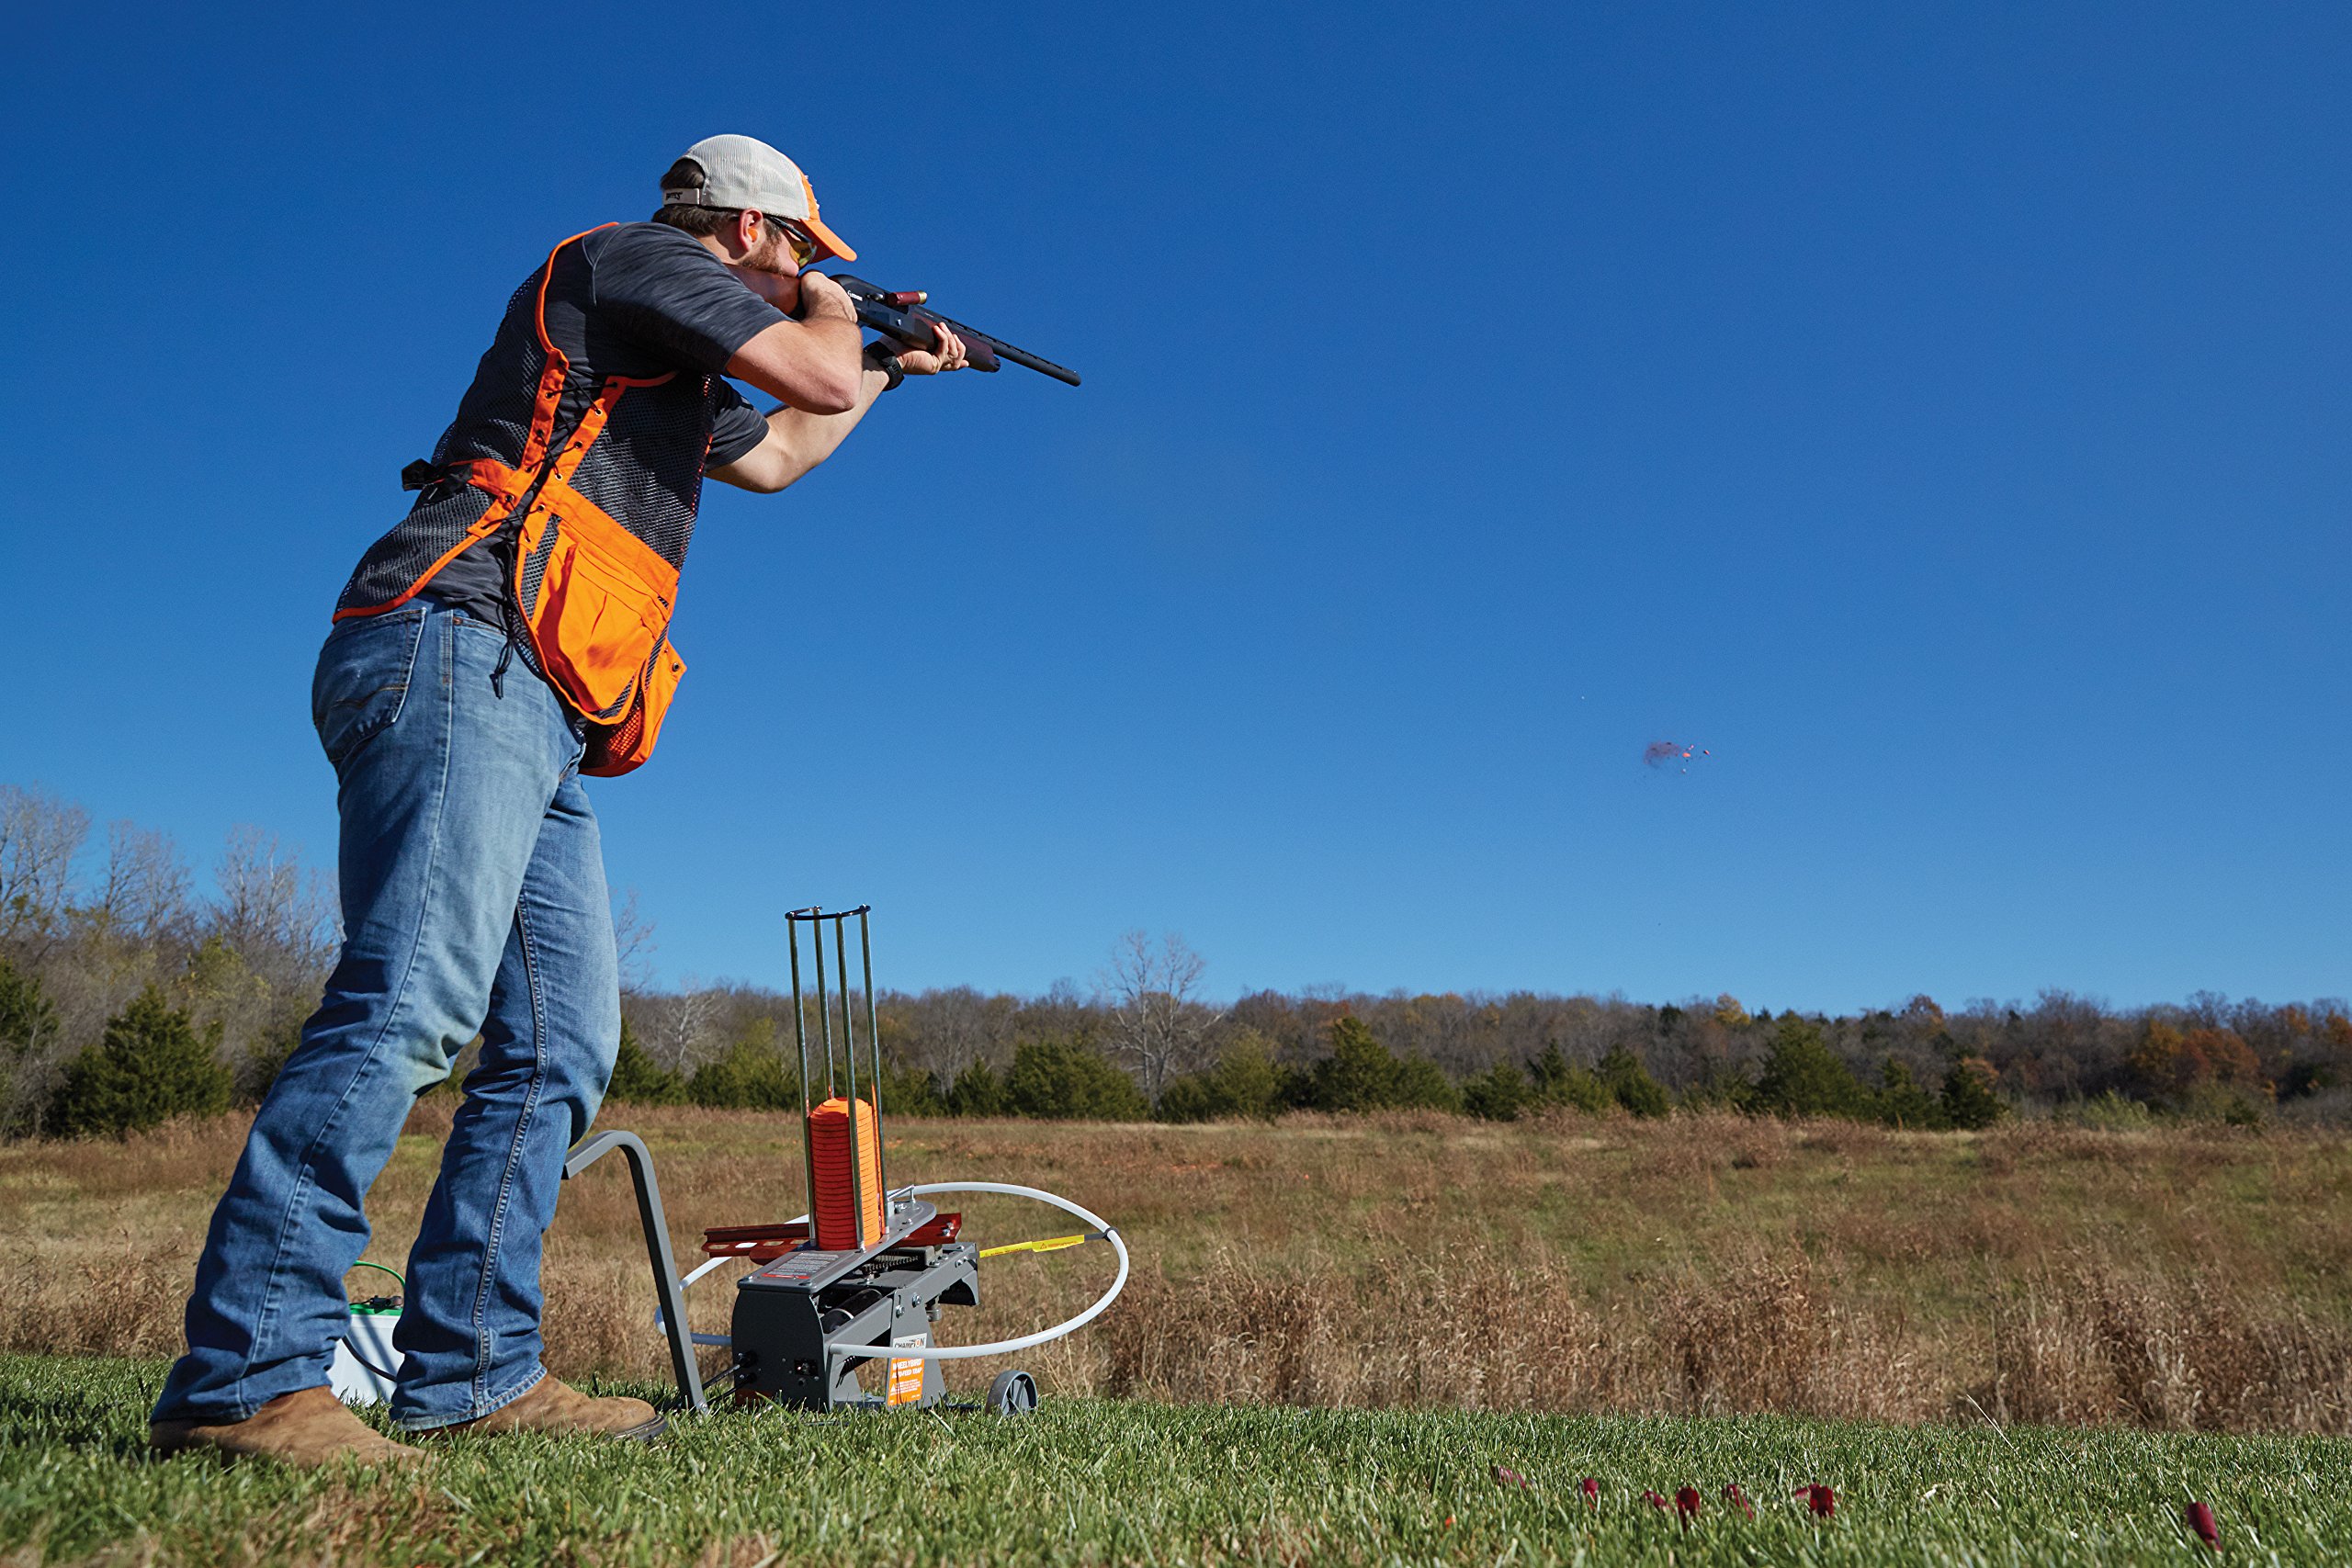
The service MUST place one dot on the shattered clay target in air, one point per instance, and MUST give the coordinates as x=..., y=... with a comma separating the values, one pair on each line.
x=1675, y=754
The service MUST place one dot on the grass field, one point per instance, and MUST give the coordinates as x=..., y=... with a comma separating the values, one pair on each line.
x=2034, y=1345
x=1099, y=1480
x=2177, y=1278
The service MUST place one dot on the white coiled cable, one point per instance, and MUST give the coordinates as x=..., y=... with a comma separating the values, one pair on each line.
x=994, y=1347
x=1004, y=1346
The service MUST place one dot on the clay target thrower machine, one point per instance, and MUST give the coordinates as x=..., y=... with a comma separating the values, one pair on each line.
x=858, y=1282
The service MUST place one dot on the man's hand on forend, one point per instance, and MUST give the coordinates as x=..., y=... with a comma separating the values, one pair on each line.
x=947, y=355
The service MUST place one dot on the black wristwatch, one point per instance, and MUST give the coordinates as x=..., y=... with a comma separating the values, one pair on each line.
x=883, y=357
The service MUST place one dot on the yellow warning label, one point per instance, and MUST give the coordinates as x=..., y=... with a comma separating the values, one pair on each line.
x=906, y=1372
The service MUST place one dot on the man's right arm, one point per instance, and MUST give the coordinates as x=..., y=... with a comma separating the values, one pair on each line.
x=796, y=441
x=669, y=293
x=815, y=364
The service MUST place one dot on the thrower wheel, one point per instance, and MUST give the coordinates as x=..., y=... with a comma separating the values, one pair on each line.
x=1012, y=1393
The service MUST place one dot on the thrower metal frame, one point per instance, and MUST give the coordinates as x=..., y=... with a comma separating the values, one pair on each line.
x=814, y=917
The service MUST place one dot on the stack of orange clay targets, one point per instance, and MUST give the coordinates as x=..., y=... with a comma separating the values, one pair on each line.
x=846, y=1207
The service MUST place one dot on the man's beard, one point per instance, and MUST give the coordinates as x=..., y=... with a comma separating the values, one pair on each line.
x=773, y=254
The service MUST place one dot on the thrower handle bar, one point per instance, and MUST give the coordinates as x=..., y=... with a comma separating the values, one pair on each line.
x=669, y=1295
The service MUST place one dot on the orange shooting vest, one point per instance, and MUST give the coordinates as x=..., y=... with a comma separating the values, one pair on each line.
x=592, y=596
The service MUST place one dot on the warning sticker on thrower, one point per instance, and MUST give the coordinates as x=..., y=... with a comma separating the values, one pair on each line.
x=906, y=1373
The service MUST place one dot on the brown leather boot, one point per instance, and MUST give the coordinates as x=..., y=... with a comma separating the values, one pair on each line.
x=306, y=1428
x=553, y=1405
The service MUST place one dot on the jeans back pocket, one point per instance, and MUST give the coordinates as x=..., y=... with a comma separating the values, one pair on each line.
x=363, y=678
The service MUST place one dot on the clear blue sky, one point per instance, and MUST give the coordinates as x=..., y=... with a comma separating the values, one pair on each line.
x=1936, y=412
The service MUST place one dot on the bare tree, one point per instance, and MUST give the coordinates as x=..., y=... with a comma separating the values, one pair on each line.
x=633, y=940
x=146, y=889
x=268, y=907
x=680, y=1021
x=1158, y=1021
x=39, y=836
x=956, y=1026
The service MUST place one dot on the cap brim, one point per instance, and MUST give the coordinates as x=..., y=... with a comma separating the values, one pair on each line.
x=831, y=241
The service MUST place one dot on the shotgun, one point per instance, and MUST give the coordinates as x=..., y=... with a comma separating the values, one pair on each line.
x=902, y=314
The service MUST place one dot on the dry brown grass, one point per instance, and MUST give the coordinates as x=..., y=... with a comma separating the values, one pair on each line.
x=2089, y=1342
x=2172, y=1278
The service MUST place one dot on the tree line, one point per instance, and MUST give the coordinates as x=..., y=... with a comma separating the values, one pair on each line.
x=126, y=998
x=1059, y=1058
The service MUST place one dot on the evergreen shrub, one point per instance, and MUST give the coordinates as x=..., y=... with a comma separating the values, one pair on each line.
x=750, y=1077
x=151, y=1065
x=1243, y=1084
x=978, y=1091
x=1552, y=1082
x=1803, y=1077
x=1969, y=1099
x=1057, y=1081
x=1630, y=1085
x=638, y=1079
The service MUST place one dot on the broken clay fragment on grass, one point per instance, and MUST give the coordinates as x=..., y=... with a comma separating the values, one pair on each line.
x=1739, y=1499
x=1686, y=1503
x=2201, y=1520
x=1821, y=1499
x=1509, y=1476
x=1655, y=1499
x=1590, y=1487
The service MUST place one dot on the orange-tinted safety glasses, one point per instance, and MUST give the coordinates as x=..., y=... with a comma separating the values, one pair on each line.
x=803, y=243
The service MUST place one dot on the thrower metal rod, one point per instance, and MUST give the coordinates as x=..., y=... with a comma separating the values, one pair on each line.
x=849, y=1059
x=824, y=1015
x=800, y=1034
x=799, y=1019
x=840, y=973
x=874, y=1038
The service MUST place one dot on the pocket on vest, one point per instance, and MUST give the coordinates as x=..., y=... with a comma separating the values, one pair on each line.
x=595, y=597
x=617, y=749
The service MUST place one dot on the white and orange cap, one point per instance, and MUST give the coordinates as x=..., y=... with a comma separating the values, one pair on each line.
x=744, y=173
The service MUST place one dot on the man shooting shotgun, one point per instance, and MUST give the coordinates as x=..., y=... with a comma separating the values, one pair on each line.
x=508, y=636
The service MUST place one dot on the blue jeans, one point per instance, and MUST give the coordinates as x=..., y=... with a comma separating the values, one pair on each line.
x=473, y=900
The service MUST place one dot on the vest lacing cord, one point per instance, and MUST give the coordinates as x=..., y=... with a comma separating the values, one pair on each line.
x=505, y=654
x=438, y=480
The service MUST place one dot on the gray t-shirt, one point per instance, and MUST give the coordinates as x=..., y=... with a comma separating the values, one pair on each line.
x=656, y=299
